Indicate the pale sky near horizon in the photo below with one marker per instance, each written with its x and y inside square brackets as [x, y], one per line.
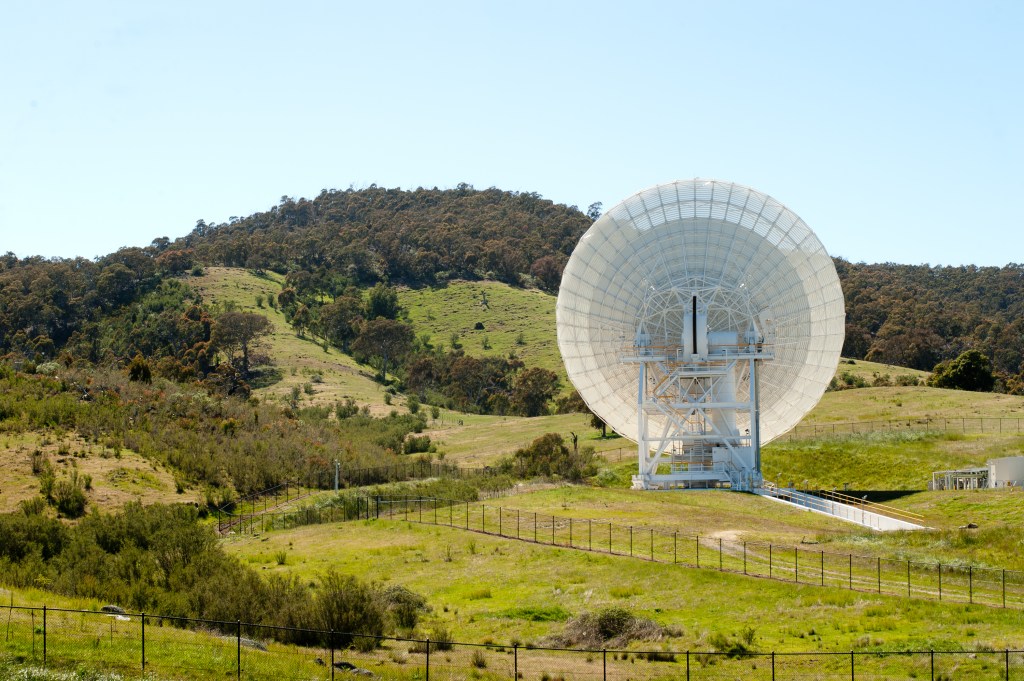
[894, 129]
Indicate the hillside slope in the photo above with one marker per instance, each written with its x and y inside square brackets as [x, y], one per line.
[297, 362]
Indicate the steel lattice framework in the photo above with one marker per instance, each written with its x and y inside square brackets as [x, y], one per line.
[700, 318]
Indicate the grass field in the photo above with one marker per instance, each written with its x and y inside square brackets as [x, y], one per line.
[487, 588]
[514, 320]
[116, 477]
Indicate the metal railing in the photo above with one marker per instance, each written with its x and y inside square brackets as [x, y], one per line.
[155, 646]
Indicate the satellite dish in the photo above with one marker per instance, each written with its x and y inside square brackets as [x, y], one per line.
[700, 318]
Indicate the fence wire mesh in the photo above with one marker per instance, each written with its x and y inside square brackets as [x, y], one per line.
[178, 648]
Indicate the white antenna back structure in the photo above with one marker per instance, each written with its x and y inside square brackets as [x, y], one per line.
[700, 319]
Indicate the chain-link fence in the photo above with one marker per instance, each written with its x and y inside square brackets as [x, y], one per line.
[167, 647]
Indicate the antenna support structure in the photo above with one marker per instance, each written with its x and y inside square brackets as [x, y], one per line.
[700, 319]
[689, 389]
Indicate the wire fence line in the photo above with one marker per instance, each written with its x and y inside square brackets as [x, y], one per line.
[250, 506]
[155, 646]
[964, 425]
[997, 587]
[967, 584]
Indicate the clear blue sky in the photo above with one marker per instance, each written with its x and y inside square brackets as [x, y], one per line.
[893, 128]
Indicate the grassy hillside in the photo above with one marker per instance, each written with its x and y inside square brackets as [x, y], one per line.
[117, 476]
[487, 588]
[514, 320]
[522, 321]
[331, 374]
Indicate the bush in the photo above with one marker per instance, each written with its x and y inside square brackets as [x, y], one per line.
[403, 605]
[70, 497]
[614, 627]
[548, 456]
[349, 607]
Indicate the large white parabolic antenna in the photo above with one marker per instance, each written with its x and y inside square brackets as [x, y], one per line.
[700, 318]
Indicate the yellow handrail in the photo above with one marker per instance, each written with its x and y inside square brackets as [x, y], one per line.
[882, 509]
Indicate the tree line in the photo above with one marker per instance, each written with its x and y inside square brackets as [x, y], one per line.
[343, 243]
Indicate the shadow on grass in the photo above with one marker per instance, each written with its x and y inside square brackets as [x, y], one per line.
[264, 378]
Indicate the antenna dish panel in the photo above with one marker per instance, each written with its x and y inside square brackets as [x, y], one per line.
[693, 272]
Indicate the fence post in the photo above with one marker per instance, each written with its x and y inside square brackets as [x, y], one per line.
[652, 545]
[590, 539]
[238, 648]
[515, 661]
[631, 540]
[970, 583]
[932, 656]
[552, 530]
[534, 527]
[744, 557]
[143, 642]
[687, 665]
[769, 561]
[428, 659]
[331, 642]
[853, 675]
[604, 665]
[773, 665]
[940, 581]
[719, 554]
[1007, 658]
[1004, 587]
[44, 637]
[697, 542]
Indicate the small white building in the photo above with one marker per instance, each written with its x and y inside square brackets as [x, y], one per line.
[1007, 471]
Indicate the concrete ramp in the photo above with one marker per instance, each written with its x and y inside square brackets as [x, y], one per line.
[863, 513]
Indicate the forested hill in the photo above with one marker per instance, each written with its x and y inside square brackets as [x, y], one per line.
[918, 315]
[908, 315]
[420, 237]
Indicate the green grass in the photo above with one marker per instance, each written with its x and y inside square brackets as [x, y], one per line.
[452, 568]
[912, 403]
[117, 477]
[515, 320]
[710, 513]
[880, 460]
[482, 440]
[870, 371]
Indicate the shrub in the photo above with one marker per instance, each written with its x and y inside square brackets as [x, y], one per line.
[403, 605]
[33, 506]
[609, 627]
[345, 604]
[69, 496]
